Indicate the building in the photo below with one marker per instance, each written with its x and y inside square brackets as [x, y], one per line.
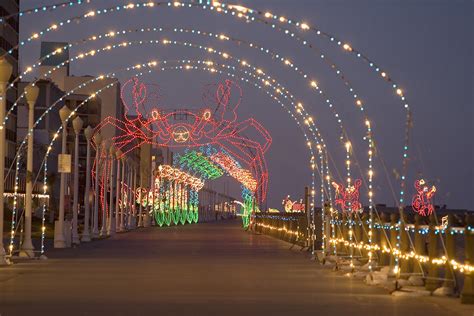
[53, 86]
[9, 30]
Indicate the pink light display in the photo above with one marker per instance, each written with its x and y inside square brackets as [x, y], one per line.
[422, 201]
[202, 127]
[348, 198]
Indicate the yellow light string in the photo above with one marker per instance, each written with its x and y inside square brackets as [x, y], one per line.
[349, 213]
[94, 52]
[462, 267]
[138, 67]
[241, 14]
[131, 6]
[280, 229]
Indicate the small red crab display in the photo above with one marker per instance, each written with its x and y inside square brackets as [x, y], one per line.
[348, 198]
[214, 125]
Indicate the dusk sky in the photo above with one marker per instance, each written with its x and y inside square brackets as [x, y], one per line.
[426, 46]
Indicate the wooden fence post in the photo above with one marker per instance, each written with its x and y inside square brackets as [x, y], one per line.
[467, 294]
[432, 283]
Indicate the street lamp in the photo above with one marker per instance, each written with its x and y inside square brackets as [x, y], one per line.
[86, 237]
[111, 227]
[97, 140]
[130, 196]
[122, 193]
[134, 189]
[77, 124]
[59, 241]
[27, 249]
[6, 70]
[140, 208]
[131, 217]
[118, 192]
[103, 230]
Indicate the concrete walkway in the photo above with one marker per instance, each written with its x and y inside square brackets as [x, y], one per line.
[203, 269]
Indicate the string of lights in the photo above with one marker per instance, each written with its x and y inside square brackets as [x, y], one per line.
[242, 13]
[239, 9]
[345, 46]
[153, 64]
[462, 267]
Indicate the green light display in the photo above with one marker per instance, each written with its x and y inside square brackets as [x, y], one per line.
[198, 162]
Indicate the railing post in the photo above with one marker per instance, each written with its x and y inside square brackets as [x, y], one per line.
[357, 228]
[275, 224]
[351, 237]
[365, 235]
[384, 258]
[283, 224]
[449, 276]
[365, 229]
[345, 229]
[376, 240]
[334, 232]
[419, 248]
[393, 237]
[293, 229]
[264, 224]
[432, 283]
[405, 265]
[467, 294]
[339, 227]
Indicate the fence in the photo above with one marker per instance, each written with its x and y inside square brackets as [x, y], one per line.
[439, 256]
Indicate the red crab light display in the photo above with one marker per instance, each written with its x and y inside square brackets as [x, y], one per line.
[293, 206]
[200, 128]
[422, 201]
[348, 198]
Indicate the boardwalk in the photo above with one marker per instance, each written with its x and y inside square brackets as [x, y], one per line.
[205, 269]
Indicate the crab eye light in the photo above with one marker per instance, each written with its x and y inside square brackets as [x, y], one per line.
[155, 115]
[206, 115]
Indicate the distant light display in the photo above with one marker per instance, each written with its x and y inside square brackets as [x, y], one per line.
[293, 206]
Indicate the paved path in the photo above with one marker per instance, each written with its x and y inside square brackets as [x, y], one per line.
[204, 269]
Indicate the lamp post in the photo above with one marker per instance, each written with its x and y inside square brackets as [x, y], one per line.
[126, 193]
[95, 228]
[86, 237]
[59, 241]
[122, 193]
[140, 206]
[27, 249]
[134, 219]
[130, 192]
[118, 210]
[6, 70]
[77, 124]
[111, 226]
[103, 230]
[131, 218]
